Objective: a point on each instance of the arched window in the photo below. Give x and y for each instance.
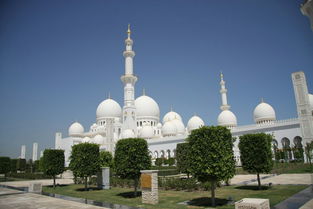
(168, 153)
(297, 142)
(156, 154)
(285, 142)
(162, 154)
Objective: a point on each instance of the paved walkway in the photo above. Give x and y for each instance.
(297, 200)
(44, 182)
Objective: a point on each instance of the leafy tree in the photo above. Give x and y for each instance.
(21, 164)
(36, 165)
(5, 165)
(170, 161)
(159, 161)
(308, 151)
(53, 163)
(13, 165)
(106, 159)
(211, 154)
(131, 156)
(182, 157)
(85, 160)
(256, 154)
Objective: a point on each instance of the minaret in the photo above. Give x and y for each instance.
(129, 80)
(223, 92)
(35, 151)
(23, 152)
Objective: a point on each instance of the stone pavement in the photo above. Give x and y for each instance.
(44, 182)
(297, 200)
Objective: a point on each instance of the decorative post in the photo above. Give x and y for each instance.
(103, 178)
(149, 186)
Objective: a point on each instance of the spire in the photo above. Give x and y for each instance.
(128, 31)
(222, 76)
(223, 93)
(109, 95)
(262, 100)
(171, 108)
(144, 92)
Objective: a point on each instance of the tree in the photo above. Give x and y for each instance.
(21, 164)
(170, 161)
(182, 157)
(85, 160)
(5, 166)
(308, 151)
(36, 166)
(106, 159)
(13, 165)
(159, 161)
(53, 163)
(211, 154)
(131, 156)
(256, 154)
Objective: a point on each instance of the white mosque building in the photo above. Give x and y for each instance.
(140, 117)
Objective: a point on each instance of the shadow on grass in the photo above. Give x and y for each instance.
(129, 194)
(252, 187)
(58, 185)
(206, 201)
(82, 189)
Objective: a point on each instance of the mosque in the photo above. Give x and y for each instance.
(140, 117)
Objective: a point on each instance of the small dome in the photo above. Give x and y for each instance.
(128, 133)
(227, 118)
(98, 139)
(169, 129)
(86, 139)
(264, 113)
(146, 107)
(311, 101)
(147, 132)
(194, 122)
(75, 129)
(171, 116)
(180, 128)
(108, 109)
(159, 125)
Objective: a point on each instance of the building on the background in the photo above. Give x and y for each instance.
(35, 151)
(41, 154)
(307, 10)
(23, 152)
(140, 117)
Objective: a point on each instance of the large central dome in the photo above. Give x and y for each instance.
(147, 107)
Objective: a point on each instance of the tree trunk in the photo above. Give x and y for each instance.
(136, 185)
(259, 181)
(53, 181)
(85, 183)
(188, 175)
(213, 193)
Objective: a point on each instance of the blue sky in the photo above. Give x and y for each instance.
(60, 59)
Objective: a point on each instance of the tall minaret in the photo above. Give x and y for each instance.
(223, 92)
(129, 80)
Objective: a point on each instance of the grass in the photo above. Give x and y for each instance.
(170, 199)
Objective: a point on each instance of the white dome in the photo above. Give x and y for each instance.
(169, 129)
(146, 106)
(159, 125)
(128, 133)
(75, 129)
(227, 118)
(147, 132)
(311, 101)
(108, 109)
(194, 122)
(98, 139)
(86, 139)
(171, 116)
(180, 128)
(264, 113)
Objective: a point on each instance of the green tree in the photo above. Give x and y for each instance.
(182, 157)
(256, 153)
(5, 166)
(106, 159)
(308, 151)
(159, 161)
(170, 161)
(36, 166)
(85, 160)
(131, 156)
(211, 154)
(53, 163)
(21, 164)
(13, 165)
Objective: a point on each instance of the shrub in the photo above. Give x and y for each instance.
(5, 165)
(159, 161)
(21, 164)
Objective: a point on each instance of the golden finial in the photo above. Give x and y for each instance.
(128, 31)
(222, 76)
(109, 96)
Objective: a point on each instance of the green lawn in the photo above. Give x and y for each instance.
(169, 199)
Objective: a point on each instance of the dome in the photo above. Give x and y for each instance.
(180, 128)
(146, 106)
(128, 133)
(171, 116)
(194, 122)
(75, 129)
(311, 101)
(159, 125)
(86, 139)
(227, 118)
(109, 109)
(263, 113)
(169, 129)
(98, 139)
(147, 132)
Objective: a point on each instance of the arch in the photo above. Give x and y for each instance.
(168, 153)
(297, 142)
(156, 154)
(150, 154)
(285, 142)
(162, 154)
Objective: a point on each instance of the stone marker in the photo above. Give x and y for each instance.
(149, 186)
(252, 203)
(103, 178)
(35, 187)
